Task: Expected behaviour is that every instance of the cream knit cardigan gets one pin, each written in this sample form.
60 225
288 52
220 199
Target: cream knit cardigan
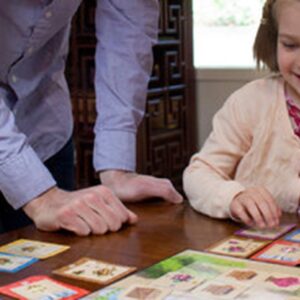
252 144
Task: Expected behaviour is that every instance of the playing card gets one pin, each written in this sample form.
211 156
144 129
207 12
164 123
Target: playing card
267 234
293 236
42 287
237 246
13 263
281 252
88 269
144 292
32 248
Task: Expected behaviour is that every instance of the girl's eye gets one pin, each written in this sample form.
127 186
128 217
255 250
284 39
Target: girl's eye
289 45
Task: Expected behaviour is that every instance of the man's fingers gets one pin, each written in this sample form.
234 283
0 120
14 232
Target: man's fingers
132 217
69 220
160 188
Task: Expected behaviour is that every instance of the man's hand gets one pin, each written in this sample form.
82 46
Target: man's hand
132 187
256 208
95 210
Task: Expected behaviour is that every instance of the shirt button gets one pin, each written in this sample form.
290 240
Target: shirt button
14 78
48 14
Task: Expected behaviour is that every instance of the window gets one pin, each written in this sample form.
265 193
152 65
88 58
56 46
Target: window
224 32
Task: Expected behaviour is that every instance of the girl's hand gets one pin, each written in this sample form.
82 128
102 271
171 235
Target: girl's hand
256 208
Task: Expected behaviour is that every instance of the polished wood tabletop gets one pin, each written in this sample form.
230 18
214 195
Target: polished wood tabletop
163 230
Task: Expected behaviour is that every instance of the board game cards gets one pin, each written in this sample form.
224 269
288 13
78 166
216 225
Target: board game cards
181 280
281 252
12 263
237 246
293 236
266 234
218 290
32 248
144 292
42 287
88 269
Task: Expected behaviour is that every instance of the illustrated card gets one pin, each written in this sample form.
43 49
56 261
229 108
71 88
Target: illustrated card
281 252
12 263
178 280
243 276
109 293
218 290
282 282
32 248
267 234
92 270
293 236
237 246
42 287
144 292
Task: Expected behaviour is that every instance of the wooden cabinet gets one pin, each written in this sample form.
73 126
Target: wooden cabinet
166 136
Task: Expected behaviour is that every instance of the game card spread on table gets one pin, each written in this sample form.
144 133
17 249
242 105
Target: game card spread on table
281 252
93 270
266 234
12 263
237 246
42 287
32 248
293 236
195 275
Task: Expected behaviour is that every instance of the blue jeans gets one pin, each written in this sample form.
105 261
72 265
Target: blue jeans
61 166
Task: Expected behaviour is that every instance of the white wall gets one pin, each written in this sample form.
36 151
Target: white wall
212 89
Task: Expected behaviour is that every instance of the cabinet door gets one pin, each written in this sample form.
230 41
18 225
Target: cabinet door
166 137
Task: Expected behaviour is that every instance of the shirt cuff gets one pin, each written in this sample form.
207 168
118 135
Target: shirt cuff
115 150
24 177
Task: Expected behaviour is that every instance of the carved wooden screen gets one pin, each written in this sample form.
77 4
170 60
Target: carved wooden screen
166 136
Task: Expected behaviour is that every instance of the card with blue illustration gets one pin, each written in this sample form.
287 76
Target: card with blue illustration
294 236
13 263
281 252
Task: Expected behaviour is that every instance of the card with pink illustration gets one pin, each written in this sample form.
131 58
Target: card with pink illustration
237 246
266 234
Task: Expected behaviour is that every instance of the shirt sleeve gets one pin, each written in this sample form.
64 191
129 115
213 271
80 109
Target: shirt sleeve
22 174
126 32
209 179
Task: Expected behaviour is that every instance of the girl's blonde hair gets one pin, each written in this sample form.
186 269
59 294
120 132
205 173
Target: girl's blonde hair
265 44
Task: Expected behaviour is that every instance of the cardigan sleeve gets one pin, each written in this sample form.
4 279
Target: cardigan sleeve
209 179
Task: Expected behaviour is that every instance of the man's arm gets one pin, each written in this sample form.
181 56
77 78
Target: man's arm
22 175
126 33
26 182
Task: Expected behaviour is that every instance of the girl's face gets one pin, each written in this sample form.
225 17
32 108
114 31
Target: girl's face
288 46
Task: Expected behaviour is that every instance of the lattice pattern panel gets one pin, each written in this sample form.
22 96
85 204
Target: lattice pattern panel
166 136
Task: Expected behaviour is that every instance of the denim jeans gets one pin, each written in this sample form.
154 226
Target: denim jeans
61 166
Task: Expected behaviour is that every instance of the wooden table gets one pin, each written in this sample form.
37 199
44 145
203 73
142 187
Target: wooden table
162 231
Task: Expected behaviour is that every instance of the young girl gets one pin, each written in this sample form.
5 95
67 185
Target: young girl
249 167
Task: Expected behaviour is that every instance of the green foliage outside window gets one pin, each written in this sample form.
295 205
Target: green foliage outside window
228 12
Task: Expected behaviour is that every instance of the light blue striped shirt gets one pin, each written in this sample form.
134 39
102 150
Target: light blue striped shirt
35 110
